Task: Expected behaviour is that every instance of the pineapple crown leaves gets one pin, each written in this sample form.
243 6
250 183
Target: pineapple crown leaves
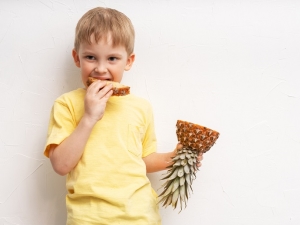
179 178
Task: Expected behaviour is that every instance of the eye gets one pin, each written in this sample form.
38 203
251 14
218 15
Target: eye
112 58
90 57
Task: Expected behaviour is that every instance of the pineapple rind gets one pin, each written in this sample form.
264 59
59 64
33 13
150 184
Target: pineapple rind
195 136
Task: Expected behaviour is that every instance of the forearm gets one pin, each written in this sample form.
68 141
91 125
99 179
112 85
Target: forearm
64 157
158 161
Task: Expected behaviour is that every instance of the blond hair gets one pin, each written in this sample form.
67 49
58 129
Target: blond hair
103 22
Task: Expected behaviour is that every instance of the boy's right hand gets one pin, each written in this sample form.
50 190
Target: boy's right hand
97 95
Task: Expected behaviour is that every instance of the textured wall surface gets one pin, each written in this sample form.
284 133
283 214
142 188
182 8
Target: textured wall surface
230 65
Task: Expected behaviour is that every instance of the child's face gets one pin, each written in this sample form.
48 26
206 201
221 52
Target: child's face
102 61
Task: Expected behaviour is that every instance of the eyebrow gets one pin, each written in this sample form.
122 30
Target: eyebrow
87 53
109 55
115 54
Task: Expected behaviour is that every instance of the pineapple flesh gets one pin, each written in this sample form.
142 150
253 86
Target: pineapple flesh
180 175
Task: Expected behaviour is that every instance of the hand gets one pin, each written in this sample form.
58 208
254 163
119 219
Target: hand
199 158
96 97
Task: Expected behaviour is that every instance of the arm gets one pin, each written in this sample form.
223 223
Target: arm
65 156
160 161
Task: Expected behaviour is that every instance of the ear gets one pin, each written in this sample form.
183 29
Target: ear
130 61
76 58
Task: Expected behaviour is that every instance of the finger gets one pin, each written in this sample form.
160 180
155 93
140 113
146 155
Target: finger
199 164
105 91
179 146
96 86
108 94
200 157
99 88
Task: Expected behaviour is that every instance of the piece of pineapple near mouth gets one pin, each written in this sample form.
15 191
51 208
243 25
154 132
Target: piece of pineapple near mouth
182 172
118 89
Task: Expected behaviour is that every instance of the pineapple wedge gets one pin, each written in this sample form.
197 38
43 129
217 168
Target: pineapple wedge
118 89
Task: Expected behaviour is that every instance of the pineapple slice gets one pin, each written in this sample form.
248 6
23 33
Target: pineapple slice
182 172
118 89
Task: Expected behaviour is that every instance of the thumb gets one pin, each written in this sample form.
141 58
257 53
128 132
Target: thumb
179 146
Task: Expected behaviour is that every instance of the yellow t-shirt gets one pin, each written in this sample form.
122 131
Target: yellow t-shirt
109 184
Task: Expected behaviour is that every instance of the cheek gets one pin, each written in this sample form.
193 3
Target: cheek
85 73
86 68
84 80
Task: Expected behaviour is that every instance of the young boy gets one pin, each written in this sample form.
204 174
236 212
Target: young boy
105 144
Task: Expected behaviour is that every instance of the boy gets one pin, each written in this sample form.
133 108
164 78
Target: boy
105 144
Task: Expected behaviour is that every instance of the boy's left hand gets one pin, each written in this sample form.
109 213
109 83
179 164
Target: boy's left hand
199 158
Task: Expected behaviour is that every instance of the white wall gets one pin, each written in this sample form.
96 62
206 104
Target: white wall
230 65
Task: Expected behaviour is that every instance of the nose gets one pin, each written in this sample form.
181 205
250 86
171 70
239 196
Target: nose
101 68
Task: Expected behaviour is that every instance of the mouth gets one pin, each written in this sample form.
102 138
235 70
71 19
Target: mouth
101 78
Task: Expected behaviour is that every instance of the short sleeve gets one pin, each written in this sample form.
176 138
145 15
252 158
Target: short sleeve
149 141
61 125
